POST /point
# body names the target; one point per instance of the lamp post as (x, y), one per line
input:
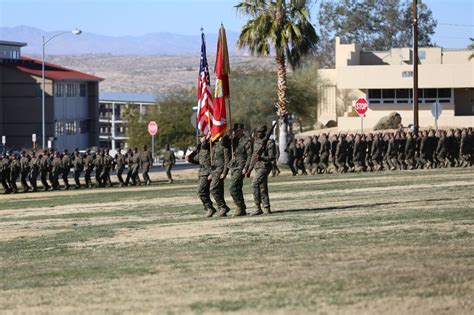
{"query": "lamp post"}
(46, 41)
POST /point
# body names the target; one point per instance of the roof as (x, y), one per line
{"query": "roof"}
(8, 43)
(54, 72)
(128, 97)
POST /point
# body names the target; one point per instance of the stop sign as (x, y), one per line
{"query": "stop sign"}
(152, 128)
(361, 106)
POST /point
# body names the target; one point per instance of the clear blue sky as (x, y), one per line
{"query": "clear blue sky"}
(137, 17)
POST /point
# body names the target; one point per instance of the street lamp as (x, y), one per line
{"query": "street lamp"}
(46, 41)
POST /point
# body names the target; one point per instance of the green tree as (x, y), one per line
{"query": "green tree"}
(253, 96)
(303, 94)
(284, 27)
(173, 115)
(373, 24)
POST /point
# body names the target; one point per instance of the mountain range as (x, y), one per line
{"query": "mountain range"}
(91, 43)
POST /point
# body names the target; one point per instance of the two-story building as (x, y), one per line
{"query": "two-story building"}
(71, 102)
(385, 79)
(113, 128)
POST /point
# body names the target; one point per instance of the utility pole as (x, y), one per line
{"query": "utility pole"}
(415, 67)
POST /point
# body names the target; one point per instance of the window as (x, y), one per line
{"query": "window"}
(58, 129)
(404, 96)
(82, 88)
(83, 127)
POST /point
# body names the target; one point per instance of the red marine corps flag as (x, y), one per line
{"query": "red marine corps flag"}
(204, 95)
(219, 121)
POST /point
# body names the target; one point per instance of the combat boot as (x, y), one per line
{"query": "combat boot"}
(210, 212)
(239, 212)
(258, 212)
(223, 212)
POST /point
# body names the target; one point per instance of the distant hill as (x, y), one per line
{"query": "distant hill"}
(151, 73)
(90, 43)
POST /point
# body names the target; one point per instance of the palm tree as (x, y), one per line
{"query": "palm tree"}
(284, 28)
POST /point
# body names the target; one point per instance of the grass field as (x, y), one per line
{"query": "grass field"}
(399, 242)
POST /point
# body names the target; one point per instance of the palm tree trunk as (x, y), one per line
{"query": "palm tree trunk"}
(282, 109)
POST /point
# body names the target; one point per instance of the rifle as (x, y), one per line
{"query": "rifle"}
(258, 154)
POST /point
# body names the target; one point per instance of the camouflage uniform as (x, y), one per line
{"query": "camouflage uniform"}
(135, 159)
(89, 167)
(202, 157)
(169, 160)
(238, 166)
(309, 156)
(220, 161)
(291, 149)
(66, 167)
(341, 154)
(34, 171)
(146, 161)
(5, 170)
(99, 168)
(78, 165)
(324, 153)
(262, 165)
(120, 162)
(44, 167)
(56, 164)
(105, 175)
(15, 169)
(25, 171)
(377, 152)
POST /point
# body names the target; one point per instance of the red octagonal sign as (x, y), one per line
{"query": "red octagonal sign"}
(361, 106)
(152, 128)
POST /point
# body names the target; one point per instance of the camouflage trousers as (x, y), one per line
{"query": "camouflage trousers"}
(43, 178)
(168, 171)
(236, 184)
(23, 180)
(65, 176)
(260, 187)
(204, 192)
(217, 190)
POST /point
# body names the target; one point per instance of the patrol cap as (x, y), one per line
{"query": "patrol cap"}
(262, 128)
(238, 126)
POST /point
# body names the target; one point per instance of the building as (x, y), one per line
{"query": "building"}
(71, 102)
(112, 107)
(386, 80)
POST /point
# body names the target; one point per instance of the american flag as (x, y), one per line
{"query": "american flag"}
(204, 95)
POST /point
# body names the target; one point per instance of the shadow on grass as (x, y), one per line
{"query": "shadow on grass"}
(371, 205)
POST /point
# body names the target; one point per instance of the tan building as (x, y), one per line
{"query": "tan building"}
(71, 102)
(385, 79)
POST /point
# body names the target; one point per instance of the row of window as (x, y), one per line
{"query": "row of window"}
(73, 127)
(10, 54)
(63, 89)
(108, 129)
(401, 96)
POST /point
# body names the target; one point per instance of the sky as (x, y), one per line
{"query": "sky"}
(138, 17)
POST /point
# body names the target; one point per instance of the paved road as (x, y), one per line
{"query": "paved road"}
(179, 166)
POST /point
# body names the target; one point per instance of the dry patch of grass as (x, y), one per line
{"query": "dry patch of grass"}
(343, 244)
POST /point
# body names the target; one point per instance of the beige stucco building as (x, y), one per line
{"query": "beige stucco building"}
(386, 80)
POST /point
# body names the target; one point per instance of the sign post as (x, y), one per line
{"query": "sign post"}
(361, 106)
(152, 130)
(436, 110)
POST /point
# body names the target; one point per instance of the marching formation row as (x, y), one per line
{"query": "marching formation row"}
(379, 151)
(49, 166)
